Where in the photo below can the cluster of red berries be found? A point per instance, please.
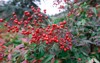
(31, 24)
(35, 19)
(53, 34)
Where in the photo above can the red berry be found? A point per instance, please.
(79, 59)
(61, 47)
(44, 10)
(1, 20)
(5, 24)
(65, 49)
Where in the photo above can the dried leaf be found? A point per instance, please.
(9, 56)
(25, 61)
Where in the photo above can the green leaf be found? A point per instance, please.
(84, 4)
(26, 56)
(64, 54)
(33, 45)
(55, 49)
(8, 43)
(82, 22)
(16, 41)
(38, 54)
(76, 6)
(47, 58)
(69, 60)
(41, 48)
(95, 11)
(15, 56)
(56, 61)
(58, 20)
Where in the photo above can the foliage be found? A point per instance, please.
(33, 39)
